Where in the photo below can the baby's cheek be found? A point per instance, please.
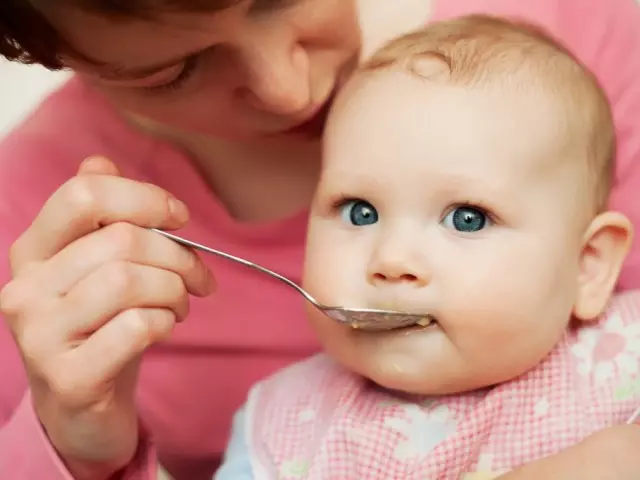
(515, 345)
(318, 274)
(333, 280)
(498, 340)
(337, 341)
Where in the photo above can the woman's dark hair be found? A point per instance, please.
(27, 36)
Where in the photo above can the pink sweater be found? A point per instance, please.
(190, 386)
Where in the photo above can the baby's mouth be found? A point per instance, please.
(426, 321)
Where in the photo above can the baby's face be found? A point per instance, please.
(451, 201)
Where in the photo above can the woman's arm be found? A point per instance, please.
(611, 454)
(25, 450)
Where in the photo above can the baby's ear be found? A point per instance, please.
(604, 249)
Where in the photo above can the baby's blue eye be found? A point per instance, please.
(466, 219)
(359, 213)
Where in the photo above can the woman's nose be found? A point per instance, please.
(278, 80)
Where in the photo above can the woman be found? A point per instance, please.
(217, 104)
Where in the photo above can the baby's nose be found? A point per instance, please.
(397, 270)
(395, 277)
(399, 258)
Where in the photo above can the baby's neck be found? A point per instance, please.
(420, 399)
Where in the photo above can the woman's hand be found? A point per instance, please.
(611, 454)
(93, 288)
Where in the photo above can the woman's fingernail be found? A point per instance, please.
(178, 209)
(98, 164)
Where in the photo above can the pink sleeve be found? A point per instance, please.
(25, 452)
(26, 180)
(605, 34)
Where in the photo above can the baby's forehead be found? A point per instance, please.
(476, 93)
(409, 121)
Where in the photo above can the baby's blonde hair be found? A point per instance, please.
(480, 50)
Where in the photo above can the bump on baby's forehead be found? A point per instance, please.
(480, 51)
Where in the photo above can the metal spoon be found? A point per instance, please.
(360, 318)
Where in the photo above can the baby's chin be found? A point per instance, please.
(404, 368)
(422, 362)
(406, 375)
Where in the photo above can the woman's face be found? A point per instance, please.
(259, 68)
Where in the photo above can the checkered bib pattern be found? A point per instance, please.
(317, 421)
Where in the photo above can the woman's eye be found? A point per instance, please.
(185, 73)
(359, 213)
(466, 219)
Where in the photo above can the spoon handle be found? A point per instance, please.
(233, 258)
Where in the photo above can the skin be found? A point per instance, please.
(607, 455)
(397, 262)
(263, 76)
(502, 295)
(265, 71)
(124, 288)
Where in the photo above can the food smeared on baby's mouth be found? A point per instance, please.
(424, 322)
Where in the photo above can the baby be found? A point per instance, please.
(466, 173)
